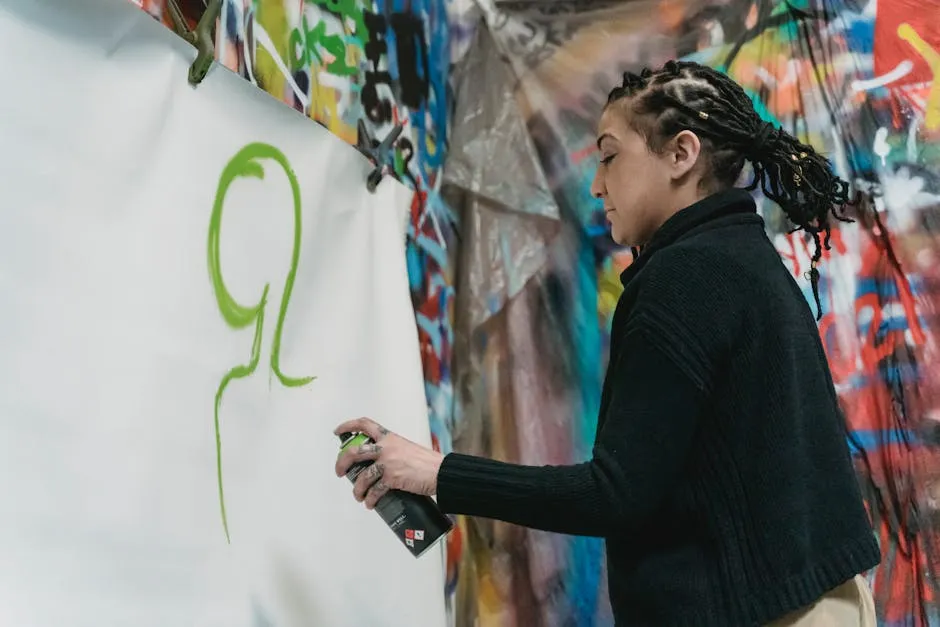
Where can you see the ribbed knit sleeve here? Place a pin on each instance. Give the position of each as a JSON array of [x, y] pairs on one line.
[[638, 455]]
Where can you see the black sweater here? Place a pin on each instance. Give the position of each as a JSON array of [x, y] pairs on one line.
[[721, 478]]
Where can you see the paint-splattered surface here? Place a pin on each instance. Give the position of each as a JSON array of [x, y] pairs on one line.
[[856, 79]]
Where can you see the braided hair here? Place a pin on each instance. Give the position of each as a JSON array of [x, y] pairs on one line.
[[688, 96]]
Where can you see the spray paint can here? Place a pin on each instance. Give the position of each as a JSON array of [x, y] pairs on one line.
[[415, 519]]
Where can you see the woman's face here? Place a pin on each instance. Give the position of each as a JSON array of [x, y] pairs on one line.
[[632, 181]]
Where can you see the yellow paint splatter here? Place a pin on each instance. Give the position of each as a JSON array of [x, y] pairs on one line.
[[272, 16], [932, 111]]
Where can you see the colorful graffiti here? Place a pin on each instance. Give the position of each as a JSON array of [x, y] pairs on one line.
[[518, 377], [854, 78]]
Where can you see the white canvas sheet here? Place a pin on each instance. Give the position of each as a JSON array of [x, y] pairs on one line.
[[114, 343]]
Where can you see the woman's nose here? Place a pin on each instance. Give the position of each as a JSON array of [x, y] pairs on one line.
[[597, 187]]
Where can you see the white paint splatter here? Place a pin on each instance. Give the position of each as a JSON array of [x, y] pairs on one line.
[[881, 147], [903, 69]]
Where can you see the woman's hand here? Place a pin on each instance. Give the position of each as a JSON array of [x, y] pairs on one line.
[[400, 464]]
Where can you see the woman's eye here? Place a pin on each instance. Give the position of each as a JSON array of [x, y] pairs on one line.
[[607, 160]]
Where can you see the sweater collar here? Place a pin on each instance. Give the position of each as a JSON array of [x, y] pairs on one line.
[[736, 204]]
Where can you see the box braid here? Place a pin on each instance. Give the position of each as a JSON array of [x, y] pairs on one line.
[[688, 96]]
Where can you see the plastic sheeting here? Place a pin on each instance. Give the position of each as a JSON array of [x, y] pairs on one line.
[[855, 79], [521, 396], [510, 215]]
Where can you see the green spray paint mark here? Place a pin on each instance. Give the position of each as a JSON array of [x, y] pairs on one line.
[[238, 316], [304, 43]]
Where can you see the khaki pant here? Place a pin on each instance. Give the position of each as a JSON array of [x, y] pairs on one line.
[[849, 605]]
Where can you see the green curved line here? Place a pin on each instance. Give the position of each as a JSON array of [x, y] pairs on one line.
[[278, 156], [238, 316], [236, 372]]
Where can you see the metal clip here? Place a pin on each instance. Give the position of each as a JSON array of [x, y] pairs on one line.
[[202, 37], [381, 154]]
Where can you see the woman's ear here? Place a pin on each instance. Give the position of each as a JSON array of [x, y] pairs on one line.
[[685, 149]]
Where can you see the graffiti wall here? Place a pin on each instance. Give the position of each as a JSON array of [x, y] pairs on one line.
[[513, 361], [853, 77]]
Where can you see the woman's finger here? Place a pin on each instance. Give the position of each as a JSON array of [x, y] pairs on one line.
[[366, 452], [366, 479], [375, 493], [355, 425], [363, 425]]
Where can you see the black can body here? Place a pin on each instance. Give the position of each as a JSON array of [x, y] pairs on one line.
[[415, 519]]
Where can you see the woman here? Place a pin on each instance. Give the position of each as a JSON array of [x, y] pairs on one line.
[[720, 478]]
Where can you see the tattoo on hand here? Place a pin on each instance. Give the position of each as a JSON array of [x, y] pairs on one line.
[[376, 470], [383, 431]]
